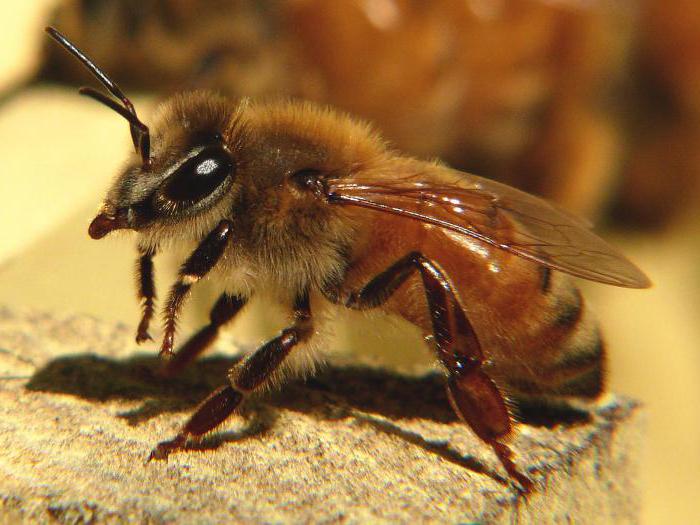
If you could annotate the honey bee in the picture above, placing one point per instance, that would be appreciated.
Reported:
(313, 208)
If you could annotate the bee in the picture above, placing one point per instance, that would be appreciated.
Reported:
(311, 207)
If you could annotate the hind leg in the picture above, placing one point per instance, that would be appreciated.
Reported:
(473, 394)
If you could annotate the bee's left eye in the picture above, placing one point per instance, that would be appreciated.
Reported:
(198, 176)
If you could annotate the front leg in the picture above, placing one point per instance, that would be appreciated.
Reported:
(202, 260)
(472, 393)
(244, 379)
(146, 292)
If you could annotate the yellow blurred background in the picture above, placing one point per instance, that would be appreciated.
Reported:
(58, 153)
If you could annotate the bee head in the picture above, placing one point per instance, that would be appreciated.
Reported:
(181, 170)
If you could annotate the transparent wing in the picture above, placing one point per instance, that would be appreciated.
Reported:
(496, 214)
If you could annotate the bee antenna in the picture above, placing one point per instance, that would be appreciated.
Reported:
(141, 128)
(139, 131)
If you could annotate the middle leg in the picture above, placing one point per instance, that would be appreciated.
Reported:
(244, 379)
(146, 291)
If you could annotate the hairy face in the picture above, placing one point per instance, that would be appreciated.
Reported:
(193, 162)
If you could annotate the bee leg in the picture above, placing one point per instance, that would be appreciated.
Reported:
(473, 394)
(197, 265)
(225, 309)
(244, 378)
(146, 292)
(210, 413)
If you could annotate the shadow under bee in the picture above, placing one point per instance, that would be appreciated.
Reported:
(138, 378)
(332, 394)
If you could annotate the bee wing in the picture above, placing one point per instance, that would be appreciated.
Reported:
(496, 214)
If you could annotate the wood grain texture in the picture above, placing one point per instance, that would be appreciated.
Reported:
(80, 409)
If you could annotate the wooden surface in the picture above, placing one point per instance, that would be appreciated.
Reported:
(80, 410)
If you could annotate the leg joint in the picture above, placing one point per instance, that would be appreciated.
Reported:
(417, 258)
(382, 286)
(463, 365)
(259, 366)
(226, 307)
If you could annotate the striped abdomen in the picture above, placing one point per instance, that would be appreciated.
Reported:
(532, 323)
(566, 354)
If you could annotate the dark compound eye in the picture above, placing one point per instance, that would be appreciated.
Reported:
(199, 176)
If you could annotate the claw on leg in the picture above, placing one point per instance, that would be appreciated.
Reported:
(211, 413)
(505, 455)
(142, 334)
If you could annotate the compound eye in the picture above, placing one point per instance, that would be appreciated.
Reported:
(199, 176)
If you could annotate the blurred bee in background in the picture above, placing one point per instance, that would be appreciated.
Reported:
(661, 178)
(236, 46)
(522, 90)
(311, 208)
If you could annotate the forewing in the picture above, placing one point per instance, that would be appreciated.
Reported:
(498, 215)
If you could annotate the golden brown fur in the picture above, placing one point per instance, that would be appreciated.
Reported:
(285, 241)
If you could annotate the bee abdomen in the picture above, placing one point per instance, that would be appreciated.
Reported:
(580, 368)
(577, 367)
(569, 313)
(567, 356)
